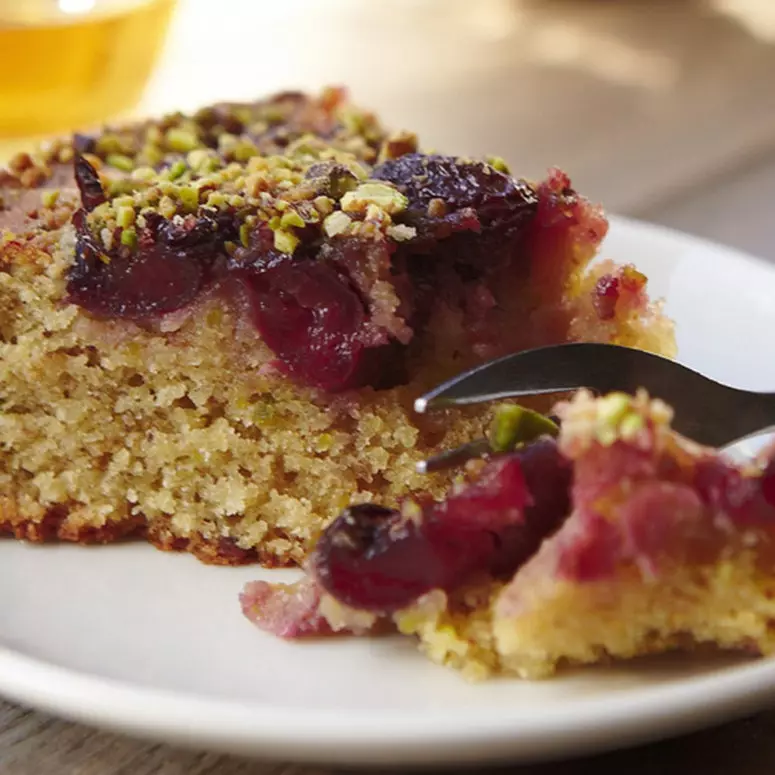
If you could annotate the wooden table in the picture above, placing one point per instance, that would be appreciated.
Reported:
(662, 110)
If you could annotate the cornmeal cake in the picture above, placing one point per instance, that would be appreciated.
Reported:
(619, 538)
(213, 326)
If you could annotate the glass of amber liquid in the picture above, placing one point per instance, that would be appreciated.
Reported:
(69, 64)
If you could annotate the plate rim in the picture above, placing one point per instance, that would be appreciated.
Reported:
(441, 737)
(395, 737)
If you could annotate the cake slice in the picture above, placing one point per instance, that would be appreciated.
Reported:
(668, 545)
(618, 539)
(212, 326)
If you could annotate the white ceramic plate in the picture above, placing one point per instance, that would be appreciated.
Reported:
(154, 644)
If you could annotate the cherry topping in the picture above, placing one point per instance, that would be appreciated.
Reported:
(548, 477)
(745, 499)
(768, 483)
(89, 184)
(164, 273)
(447, 195)
(605, 297)
(381, 560)
(308, 306)
(373, 558)
(310, 314)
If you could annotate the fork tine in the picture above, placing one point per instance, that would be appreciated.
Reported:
(451, 458)
(705, 410)
(555, 369)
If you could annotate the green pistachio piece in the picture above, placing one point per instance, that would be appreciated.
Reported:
(125, 216)
(290, 219)
(323, 204)
(120, 162)
(244, 235)
(129, 237)
(612, 408)
(151, 155)
(245, 150)
(49, 198)
(384, 196)
(181, 140)
(167, 207)
(198, 159)
(144, 174)
(216, 199)
(178, 169)
(336, 223)
(513, 425)
(189, 197)
(107, 144)
(285, 241)
(499, 164)
(631, 425)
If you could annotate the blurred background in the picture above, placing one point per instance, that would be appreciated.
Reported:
(662, 109)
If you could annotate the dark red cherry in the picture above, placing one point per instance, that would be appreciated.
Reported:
(89, 184)
(382, 560)
(448, 195)
(373, 558)
(310, 314)
(743, 498)
(163, 273)
(605, 296)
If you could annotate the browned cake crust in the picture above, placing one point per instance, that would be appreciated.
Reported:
(182, 428)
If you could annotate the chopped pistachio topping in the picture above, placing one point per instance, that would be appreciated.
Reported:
(499, 164)
(513, 425)
(120, 162)
(324, 205)
(336, 223)
(178, 169)
(245, 150)
(216, 199)
(244, 235)
(181, 140)
(167, 207)
(129, 237)
(145, 174)
(110, 143)
(125, 216)
(227, 142)
(285, 241)
(49, 198)
(613, 407)
(383, 195)
(150, 154)
(617, 418)
(631, 425)
(189, 197)
(400, 232)
(271, 168)
(291, 218)
(200, 160)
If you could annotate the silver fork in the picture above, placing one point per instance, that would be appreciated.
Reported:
(705, 410)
